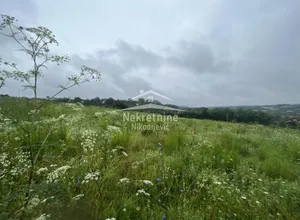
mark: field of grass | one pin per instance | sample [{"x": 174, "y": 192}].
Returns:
[{"x": 92, "y": 165}]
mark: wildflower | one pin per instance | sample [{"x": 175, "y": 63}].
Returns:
[
  {"x": 35, "y": 201},
  {"x": 159, "y": 201},
  {"x": 54, "y": 176},
  {"x": 91, "y": 176},
  {"x": 124, "y": 180},
  {"x": 217, "y": 183},
  {"x": 158, "y": 180},
  {"x": 142, "y": 192},
  {"x": 124, "y": 153},
  {"x": 45, "y": 200},
  {"x": 41, "y": 170},
  {"x": 61, "y": 117},
  {"x": 113, "y": 129},
  {"x": 78, "y": 180},
  {"x": 148, "y": 182},
  {"x": 43, "y": 217},
  {"x": 181, "y": 190},
  {"x": 78, "y": 197},
  {"x": 164, "y": 217},
  {"x": 89, "y": 138}
]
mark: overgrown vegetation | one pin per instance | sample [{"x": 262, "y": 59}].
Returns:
[{"x": 94, "y": 166}]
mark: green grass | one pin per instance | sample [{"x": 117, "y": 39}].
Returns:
[{"x": 207, "y": 169}]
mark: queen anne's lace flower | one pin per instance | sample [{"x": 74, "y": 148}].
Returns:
[
  {"x": 56, "y": 174},
  {"x": 93, "y": 176},
  {"x": 142, "y": 192}
]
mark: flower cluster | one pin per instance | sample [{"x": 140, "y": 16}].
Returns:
[
  {"x": 113, "y": 129},
  {"x": 77, "y": 197},
  {"x": 41, "y": 170},
  {"x": 124, "y": 180},
  {"x": 44, "y": 216},
  {"x": 57, "y": 174},
  {"x": 89, "y": 138},
  {"x": 74, "y": 106},
  {"x": 142, "y": 192},
  {"x": 13, "y": 165},
  {"x": 93, "y": 176},
  {"x": 34, "y": 202}
]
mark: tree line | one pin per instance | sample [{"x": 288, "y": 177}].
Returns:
[{"x": 238, "y": 115}]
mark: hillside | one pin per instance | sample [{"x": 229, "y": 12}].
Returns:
[
  {"x": 92, "y": 164},
  {"x": 280, "y": 109}
]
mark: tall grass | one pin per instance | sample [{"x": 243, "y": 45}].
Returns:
[{"x": 94, "y": 166}]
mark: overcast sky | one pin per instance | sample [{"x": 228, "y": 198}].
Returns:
[{"x": 196, "y": 52}]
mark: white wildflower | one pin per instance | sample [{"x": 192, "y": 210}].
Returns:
[
  {"x": 45, "y": 200},
  {"x": 89, "y": 138},
  {"x": 93, "y": 176},
  {"x": 148, "y": 182},
  {"x": 61, "y": 117},
  {"x": 78, "y": 197},
  {"x": 56, "y": 174},
  {"x": 99, "y": 114},
  {"x": 41, "y": 170},
  {"x": 35, "y": 201},
  {"x": 142, "y": 192},
  {"x": 43, "y": 217},
  {"x": 124, "y": 180},
  {"x": 113, "y": 129},
  {"x": 217, "y": 183},
  {"x": 125, "y": 154}
]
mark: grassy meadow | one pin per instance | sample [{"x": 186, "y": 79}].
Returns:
[{"x": 93, "y": 165}]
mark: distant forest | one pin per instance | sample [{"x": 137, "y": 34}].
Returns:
[{"x": 230, "y": 114}]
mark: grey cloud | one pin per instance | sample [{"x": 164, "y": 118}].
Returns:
[
  {"x": 198, "y": 57},
  {"x": 137, "y": 56}
]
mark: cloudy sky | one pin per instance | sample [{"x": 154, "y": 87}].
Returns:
[{"x": 196, "y": 52}]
